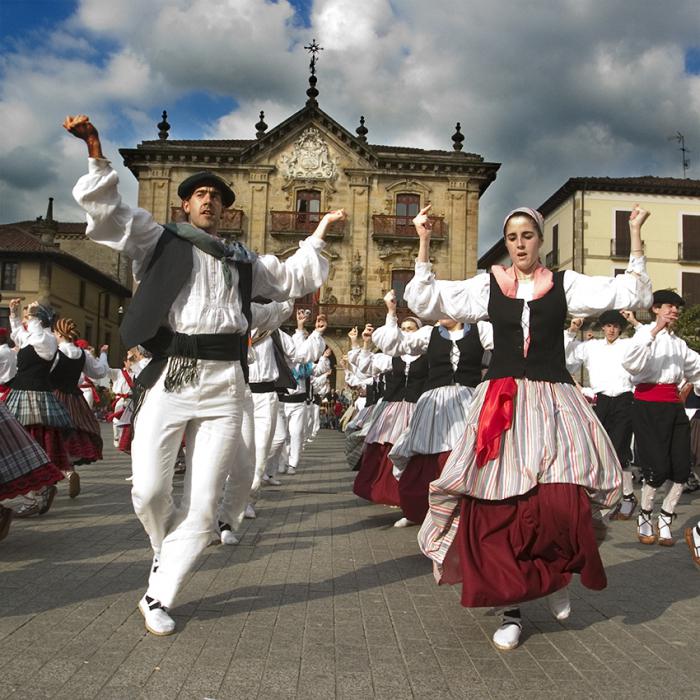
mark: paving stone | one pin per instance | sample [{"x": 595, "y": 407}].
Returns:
[{"x": 322, "y": 598}]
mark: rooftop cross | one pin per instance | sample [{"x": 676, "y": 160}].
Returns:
[{"x": 313, "y": 48}]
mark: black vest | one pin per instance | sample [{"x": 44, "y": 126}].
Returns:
[
  {"x": 32, "y": 371},
  {"x": 403, "y": 387},
  {"x": 66, "y": 373},
  {"x": 471, "y": 352},
  {"x": 417, "y": 376},
  {"x": 168, "y": 270},
  {"x": 285, "y": 378},
  {"x": 545, "y": 359}
]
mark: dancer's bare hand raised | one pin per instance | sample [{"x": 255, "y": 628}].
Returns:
[{"x": 81, "y": 127}]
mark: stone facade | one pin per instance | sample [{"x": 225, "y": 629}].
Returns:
[{"x": 311, "y": 161}]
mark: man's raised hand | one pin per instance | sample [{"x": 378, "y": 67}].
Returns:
[
  {"x": 321, "y": 323},
  {"x": 81, "y": 127}
]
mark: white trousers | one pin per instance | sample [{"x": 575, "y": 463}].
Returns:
[
  {"x": 208, "y": 415},
  {"x": 316, "y": 423},
  {"x": 241, "y": 469},
  {"x": 266, "y": 408},
  {"x": 295, "y": 422},
  {"x": 277, "y": 459}
]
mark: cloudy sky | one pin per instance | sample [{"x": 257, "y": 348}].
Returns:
[{"x": 551, "y": 88}]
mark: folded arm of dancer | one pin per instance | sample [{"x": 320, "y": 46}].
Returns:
[{"x": 40, "y": 338}]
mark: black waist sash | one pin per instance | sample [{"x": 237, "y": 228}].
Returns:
[
  {"x": 262, "y": 387},
  {"x": 166, "y": 343}
]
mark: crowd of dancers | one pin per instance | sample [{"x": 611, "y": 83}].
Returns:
[{"x": 467, "y": 417}]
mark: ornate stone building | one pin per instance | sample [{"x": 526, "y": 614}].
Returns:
[{"x": 288, "y": 176}]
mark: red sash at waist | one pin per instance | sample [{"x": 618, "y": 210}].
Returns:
[
  {"x": 667, "y": 393},
  {"x": 495, "y": 418}
]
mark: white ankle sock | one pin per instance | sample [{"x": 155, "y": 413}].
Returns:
[{"x": 673, "y": 495}]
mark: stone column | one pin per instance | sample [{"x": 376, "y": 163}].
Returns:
[
  {"x": 472, "y": 247},
  {"x": 359, "y": 233},
  {"x": 258, "y": 181},
  {"x": 457, "y": 250},
  {"x": 157, "y": 193}
]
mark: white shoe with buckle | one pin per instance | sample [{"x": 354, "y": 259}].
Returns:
[
  {"x": 291, "y": 470},
  {"x": 250, "y": 512},
  {"x": 507, "y": 636},
  {"x": 560, "y": 603},
  {"x": 156, "y": 617},
  {"x": 271, "y": 480}
]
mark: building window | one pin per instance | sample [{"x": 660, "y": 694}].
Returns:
[
  {"x": 691, "y": 287},
  {"x": 691, "y": 237},
  {"x": 621, "y": 242},
  {"x": 308, "y": 208},
  {"x": 407, "y": 206},
  {"x": 8, "y": 275},
  {"x": 81, "y": 294},
  {"x": 399, "y": 280},
  {"x": 88, "y": 333},
  {"x": 619, "y": 271}
]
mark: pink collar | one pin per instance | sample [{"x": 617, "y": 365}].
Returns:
[{"x": 508, "y": 280}]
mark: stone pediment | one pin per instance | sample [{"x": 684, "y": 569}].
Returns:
[{"x": 310, "y": 158}]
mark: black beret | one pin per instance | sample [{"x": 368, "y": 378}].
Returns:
[
  {"x": 613, "y": 317},
  {"x": 667, "y": 296},
  {"x": 203, "y": 178}
]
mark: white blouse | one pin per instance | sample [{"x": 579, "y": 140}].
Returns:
[
  {"x": 42, "y": 339},
  {"x": 93, "y": 368},
  {"x": 391, "y": 340},
  {"x": 205, "y": 304},
  {"x": 468, "y": 300},
  {"x": 603, "y": 360},
  {"x": 8, "y": 363}
]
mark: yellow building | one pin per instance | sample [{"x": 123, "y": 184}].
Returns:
[
  {"x": 287, "y": 176},
  {"x": 586, "y": 228},
  {"x": 33, "y": 266}
]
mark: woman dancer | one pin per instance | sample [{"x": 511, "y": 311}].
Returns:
[
  {"x": 85, "y": 442},
  {"x": 510, "y": 516},
  {"x": 455, "y": 355},
  {"x": 30, "y": 398},
  {"x": 405, "y": 377}
]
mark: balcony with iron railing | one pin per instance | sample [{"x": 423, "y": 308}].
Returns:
[
  {"x": 302, "y": 223},
  {"x": 231, "y": 220},
  {"x": 551, "y": 260},
  {"x": 689, "y": 252},
  {"x": 385, "y": 227}
]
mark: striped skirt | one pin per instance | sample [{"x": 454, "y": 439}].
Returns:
[
  {"x": 389, "y": 423},
  {"x": 355, "y": 439},
  {"x": 436, "y": 426},
  {"x": 24, "y": 465},
  {"x": 85, "y": 441},
  {"x": 555, "y": 438}
]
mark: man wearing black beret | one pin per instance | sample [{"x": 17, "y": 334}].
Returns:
[
  {"x": 659, "y": 361},
  {"x": 192, "y": 311},
  {"x": 612, "y": 385}
]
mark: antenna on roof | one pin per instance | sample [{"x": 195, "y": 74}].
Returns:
[{"x": 685, "y": 161}]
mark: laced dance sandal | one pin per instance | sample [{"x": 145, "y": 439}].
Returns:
[
  {"x": 645, "y": 529},
  {"x": 625, "y": 508},
  {"x": 664, "y": 528}
]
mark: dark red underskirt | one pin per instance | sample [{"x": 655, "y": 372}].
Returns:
[
  {"x": 523, "y": 548},
  {"x": 415, "y": 481},
  {"x": 45, "y": 475},
  {"x": 125, "y": 437},
  {"x": 54, "y": 444},
  {"x": 375, "y": 481},
  {"x": 84, "y": 447}
]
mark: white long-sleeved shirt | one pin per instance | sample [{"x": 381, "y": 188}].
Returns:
[
  {"x": 468, "y": 300},
  {"x": 603, "y": 360},
  {"x": 41, "y": 339},
  {"x": 204, "y": 304},
  {"x": 302, "y": 349},
  {"x": 8, "y": 363},
  {"x": 391, "y": 340},
  {"x": 378, "y": 363},
  {"x": 664, "y": 359}
]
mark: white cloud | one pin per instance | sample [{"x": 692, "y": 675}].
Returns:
[{"x": 589, "y": 89}]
